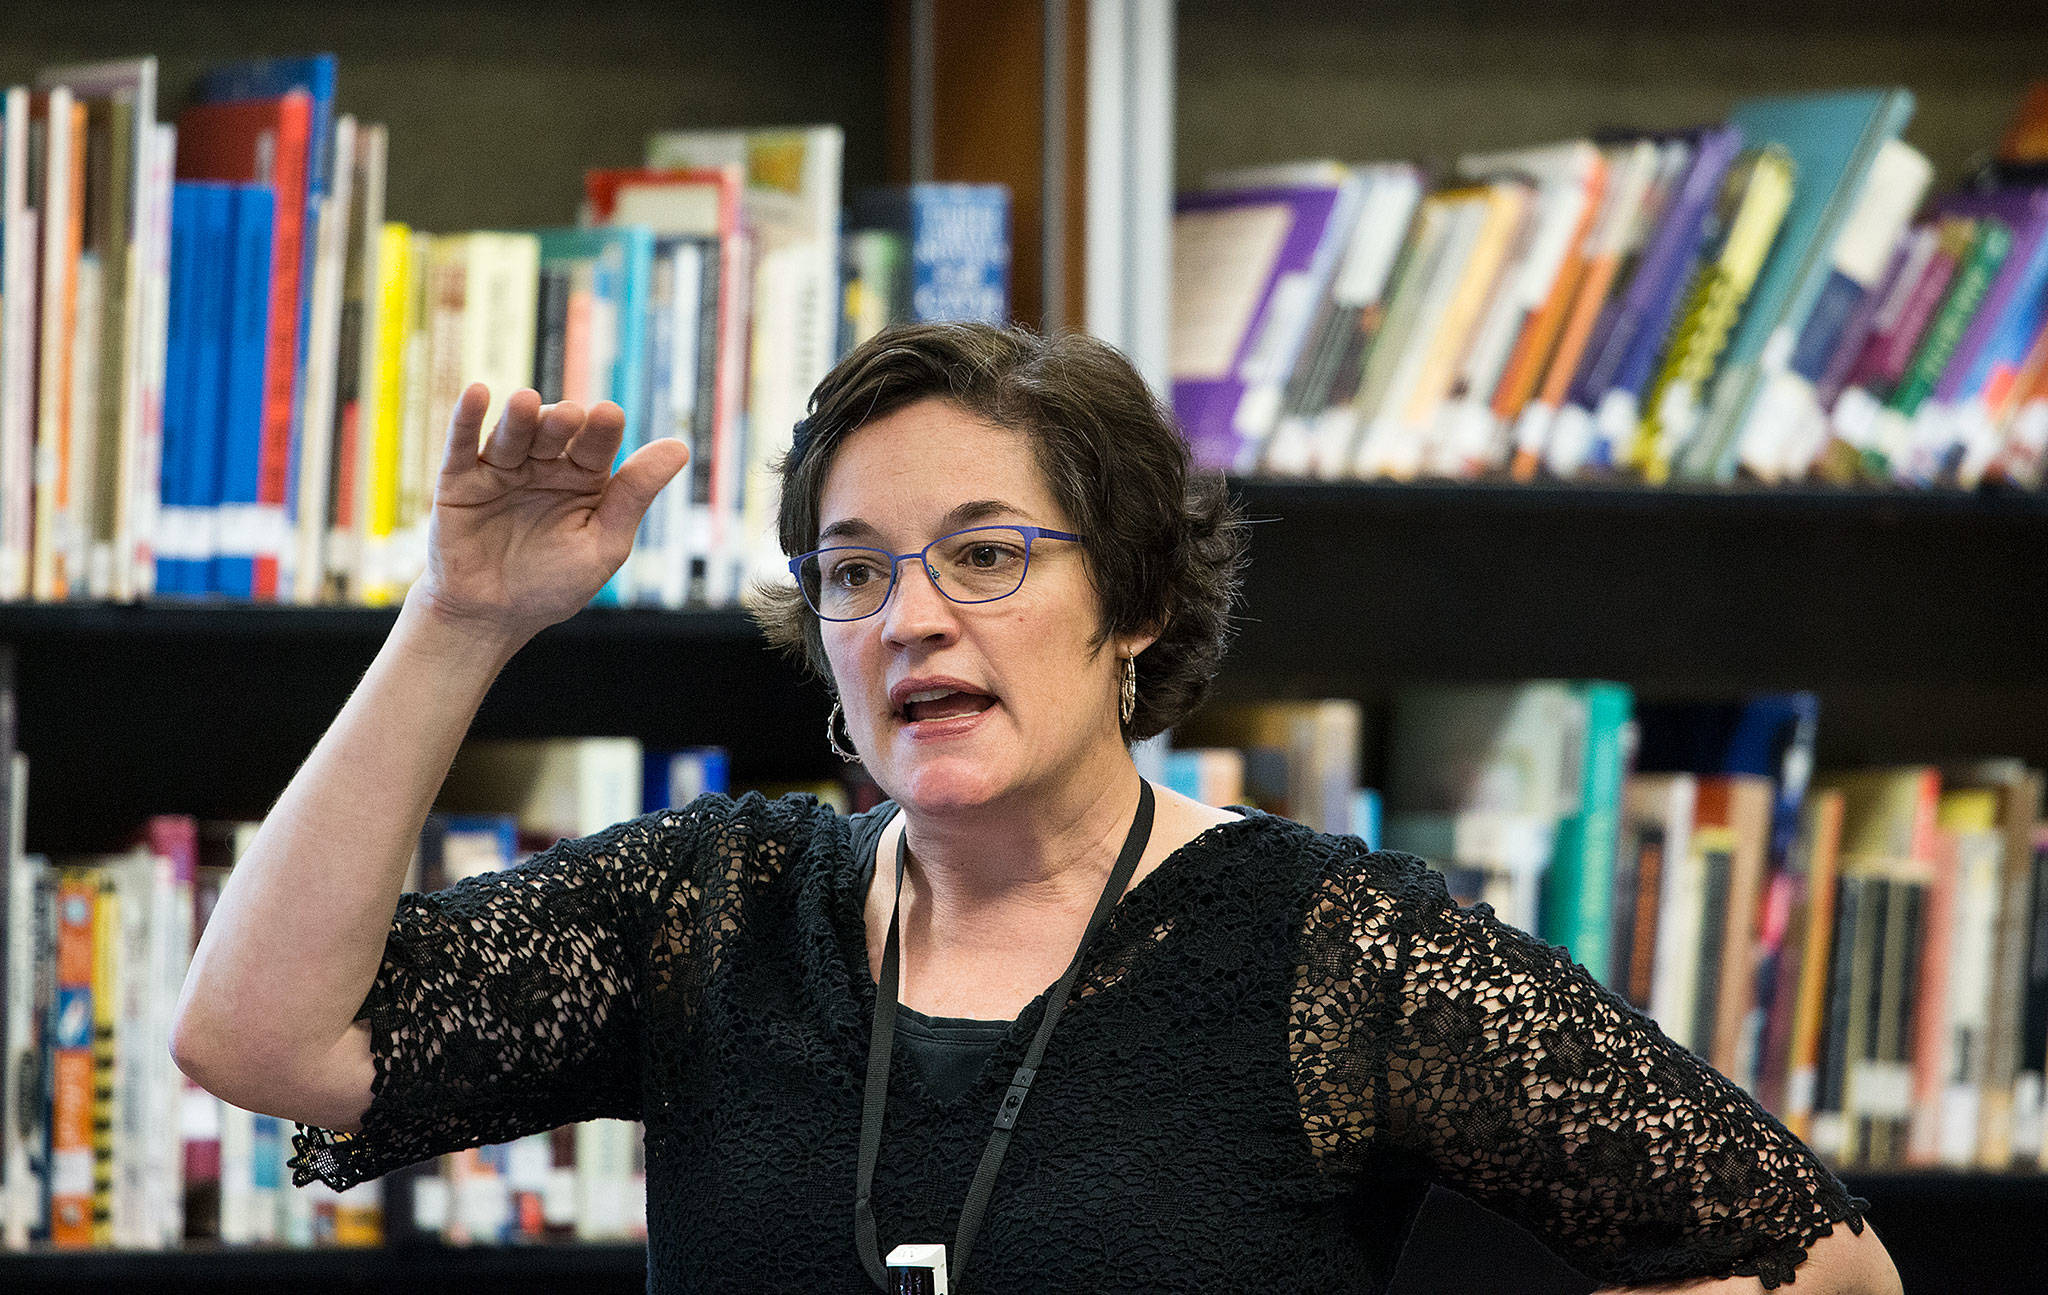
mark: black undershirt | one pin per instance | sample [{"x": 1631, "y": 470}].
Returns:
[{"x": 949, "y": 1051}]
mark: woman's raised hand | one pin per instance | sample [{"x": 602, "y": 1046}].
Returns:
[{"x": 529, "y": 526}]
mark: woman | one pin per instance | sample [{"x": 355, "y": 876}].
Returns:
[{"x": 1145, "y": 1044}]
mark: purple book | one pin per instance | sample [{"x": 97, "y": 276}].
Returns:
[
  {"x": 1886, "y": 296},
  {"x": 1244, "y": 269},
  {"x": 2025, "y": 212},
  {"x": 1673, "y": 255}
]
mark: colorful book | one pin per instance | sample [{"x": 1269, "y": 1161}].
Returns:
[
  {"x": 1752, "y": 208},
  {"x": 1579, "y": 891},
  {"x": 1612, "y": 379},
  {"x": 1248, "y": 265},
  {"x": 1333, "y": 355},
  {"x": 246, "y": 525},
  {"x": 1832, "y": 139},
  {"x": 1632, "y": 168},
  {"x": 958, "y": 240},
  {"x": 619, "y": 260},
  {"x": 264, "y": 142}
]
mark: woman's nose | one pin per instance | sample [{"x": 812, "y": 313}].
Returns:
[{"x": 916, "y": 610}]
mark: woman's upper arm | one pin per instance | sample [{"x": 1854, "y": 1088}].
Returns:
[
  {"x": 1519, "y": 1081},
  {"x": 509, "y": 1003}
]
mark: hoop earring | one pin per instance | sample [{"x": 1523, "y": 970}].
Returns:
[
  {"x": 1130, "y": 688},
  {"x": 833, "y": 723}
]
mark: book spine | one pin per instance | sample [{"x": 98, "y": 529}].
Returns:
[
  {"x": 282, "y": 352},
  {"x": 245, "y": 535},
  {"x": 71, "y": 1113},
  {"x": 1578, "y": 887}
]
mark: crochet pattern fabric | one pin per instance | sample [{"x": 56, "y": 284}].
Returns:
[{"x": 1279, "y": 1041}]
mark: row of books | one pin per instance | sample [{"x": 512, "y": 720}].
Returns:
[
  {"x": 1763, "y": 299},
  {"x": 1862, "y": 950},
  {"x": 1865, "y": 950},
  {"x": 225, "y": 372},
  {"x": 105, "y": 1144}
]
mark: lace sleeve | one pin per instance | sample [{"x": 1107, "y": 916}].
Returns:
[
  {"x": 507, "y": 1004},
  {"x": 1425, "y": 1032}
]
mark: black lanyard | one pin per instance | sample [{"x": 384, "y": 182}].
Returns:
[{"x": 875, "y": 1096}]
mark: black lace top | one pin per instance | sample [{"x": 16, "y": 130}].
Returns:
[{"x": 1279, "y": 1041}]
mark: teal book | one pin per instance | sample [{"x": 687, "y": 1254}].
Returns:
[
  {"x": 621, "y": 261},
  {"x": 1832, "y": 140},
  {"x": 1578, "y": 887}
]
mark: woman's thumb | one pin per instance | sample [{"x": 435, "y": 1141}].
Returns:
[{"x": 631, "y": 491}]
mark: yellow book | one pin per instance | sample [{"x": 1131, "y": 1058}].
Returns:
[
  {"x": 106, "y": 1008},
  {"x": 1754, "y": 201},
  {"x": 385, "y": 406}
]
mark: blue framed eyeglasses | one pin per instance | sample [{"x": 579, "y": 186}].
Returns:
[{"x": 977, "y": 565}]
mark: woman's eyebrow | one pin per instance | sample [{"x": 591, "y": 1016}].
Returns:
[{"x": 956, "y": 518}]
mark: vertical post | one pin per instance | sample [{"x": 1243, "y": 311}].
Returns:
[
  {"x": 1106, "y": 311},
  {"x": 923, "y": 87},
  {"x": 1052, "y": 240},
  {"x": 1149, "y": 215}
]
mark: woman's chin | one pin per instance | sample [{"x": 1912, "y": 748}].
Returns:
[{"x": 944, "y": 784}]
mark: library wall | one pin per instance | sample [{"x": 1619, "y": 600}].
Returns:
[
  {"x": 497, "y": 110},
  {"x": 1419, "y": 82}
]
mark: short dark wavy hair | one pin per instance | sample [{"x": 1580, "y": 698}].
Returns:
[{"x": 1164, "y": 543}]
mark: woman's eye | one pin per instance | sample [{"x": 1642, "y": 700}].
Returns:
[
  {"x": 990, "y": 556},
  {"x": 852, "y": 575}
]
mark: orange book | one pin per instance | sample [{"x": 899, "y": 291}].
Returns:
[
  {"x": 2026, "y": 140},
  {"x": 63, "y": 202},
  {"x": 1740, "y": 805},
  {"x": 1632, "y": 170},
  {"x": 1928, "y": 1050},
  {"x": 1525, "y": 364},
  {"x": 71, "y": 1101},
  {"x": 1824, "y": 843}
]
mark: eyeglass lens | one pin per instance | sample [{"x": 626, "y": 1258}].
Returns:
[{"x": 974, "y": 566}]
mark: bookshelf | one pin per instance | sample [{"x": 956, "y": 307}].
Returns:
[{"x": 1921, "y": 619}]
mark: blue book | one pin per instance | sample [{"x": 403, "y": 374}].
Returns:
[
  {"x": 675, "y": 778},
  {"x": 959, "y": 243},
  {"x": 199, "y": 460},
  {"x": 181, "y": 343},
  {"x": 271, "y": 78},
  {"x": 236, "y": 510},
  {"x": 622, "y": 260}
]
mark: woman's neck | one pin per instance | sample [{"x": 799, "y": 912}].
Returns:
[{"x": 984, "y": 877}]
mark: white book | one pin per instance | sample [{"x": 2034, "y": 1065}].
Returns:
[
  {"x": 125, "y": 300},
  {"x": 17, "y": 351},
  {"x": 1563, "y": 174},
  {"x": 135, "y": 562},
  {"x": 1681, "y": 907},
  {"x": 1631, "y": 169},
  {"x": 348, "y": 546},
  {"x": 1778, "y": 441},
  {"x": 317, "y": 433},
  {"x": 791, "y": 203},
  {"x": 1382, "y": 441},
  {"x": 47, "y": 576}
]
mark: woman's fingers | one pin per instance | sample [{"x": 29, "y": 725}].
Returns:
[
  {"x": 639, "y": 479},
  {"x": 558, "y": 422},
  {"x": 507, "y": 444},
  {"x": 465, "y": 426},
  {"x": 594, "y": 446}
]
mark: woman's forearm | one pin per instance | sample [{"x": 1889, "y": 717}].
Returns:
[{"x": 297, "y": 936}]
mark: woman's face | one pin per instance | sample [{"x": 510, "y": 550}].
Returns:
[{"x": 1028, "y": 703}]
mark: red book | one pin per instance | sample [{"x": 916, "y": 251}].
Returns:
[{"x": 264, "y": 141}]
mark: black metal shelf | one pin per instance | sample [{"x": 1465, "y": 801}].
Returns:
[
  {"x": 1920, "y": 617},
  {"x": 1918, "y": 1215}
]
